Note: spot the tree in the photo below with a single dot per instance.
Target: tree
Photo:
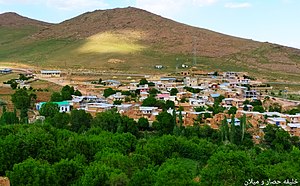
(14, 85)
(108, 92)
(149, 102)
(49, 109)
(80, 120)
(232, 111)
(69, 171)
(144, 177)
(21, 99)
(8, 117)
(236, 168)
(143, 124)
(33, 172)
(153, 92)
(277, 139)
(77, 93)
(143, 81)
(174, 91)
(66, 95)
(118, 102)
(177, 172)
(108, 120)
(56, 97)
(165, 123)
(170, 104)
(60, 120)
(258, 108)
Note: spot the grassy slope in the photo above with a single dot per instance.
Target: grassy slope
(96, 51)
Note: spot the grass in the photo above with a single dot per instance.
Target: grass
(123, 43)
(131, 56)
(6, 77)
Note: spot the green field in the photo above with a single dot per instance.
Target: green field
(124, 52)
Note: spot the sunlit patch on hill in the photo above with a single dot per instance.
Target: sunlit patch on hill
(123, 42)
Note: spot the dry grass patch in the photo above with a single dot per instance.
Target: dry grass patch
(123, 42)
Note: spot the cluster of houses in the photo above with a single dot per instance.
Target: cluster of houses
(234, 86)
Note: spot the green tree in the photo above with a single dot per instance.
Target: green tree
(232, 110)
(235, 170)
(153, 92)
(259, 108)
(56, 97)
(49, 109)
(33, 172)
(165, 123)
(66, 95)
(108, 120)
(69, 171)
(108, 92)
(80, 120)
(170, 104)
(14, 85)
(277, 139)
(174, 91)
(21, 99)
(77, 93)
(144, 177)
(177, 172)
(60, 120)
(143, 124)
(143, 81)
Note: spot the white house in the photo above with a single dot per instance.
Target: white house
(64, 106)
(50, 73)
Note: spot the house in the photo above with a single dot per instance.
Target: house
(148, 111)
(250, 94)
(277, 121)
(163, 96)
(117, 97)
(197, 102)
(293, 118)
(81, 101)
(237, 122)
(64, 106)
(143, 96)
(143, 88)
(112, 83)
(50, 73)
(5, 71)
(94, 108)
(294, 129)
(230, 75)
(168, 79)
(190, 81)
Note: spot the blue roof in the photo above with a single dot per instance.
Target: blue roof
(215, 95)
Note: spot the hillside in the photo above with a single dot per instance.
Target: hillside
(134, 40)
(11, 19)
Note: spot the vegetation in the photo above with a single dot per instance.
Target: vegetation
(65, 94)
(112, 149)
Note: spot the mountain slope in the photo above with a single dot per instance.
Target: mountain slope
(11, 19)
(134, 40)
(153, 30)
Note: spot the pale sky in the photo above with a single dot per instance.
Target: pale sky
(276, 21)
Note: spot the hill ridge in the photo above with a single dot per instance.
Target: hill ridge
(13, 19)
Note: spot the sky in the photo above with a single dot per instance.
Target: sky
(275, 21)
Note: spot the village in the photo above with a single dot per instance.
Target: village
(198, 97)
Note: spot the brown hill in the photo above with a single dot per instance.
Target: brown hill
(135, 39)
(11, 19)
(156, 31)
